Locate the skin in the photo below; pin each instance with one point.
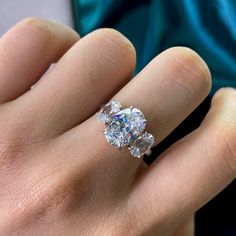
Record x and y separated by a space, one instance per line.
59 176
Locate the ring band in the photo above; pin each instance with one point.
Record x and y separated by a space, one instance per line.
126 128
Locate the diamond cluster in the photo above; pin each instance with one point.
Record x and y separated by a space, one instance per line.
125 128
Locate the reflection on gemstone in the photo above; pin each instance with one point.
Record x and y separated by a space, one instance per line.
125 127
106 113
142 144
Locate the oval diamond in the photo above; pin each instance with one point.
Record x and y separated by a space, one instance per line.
125 127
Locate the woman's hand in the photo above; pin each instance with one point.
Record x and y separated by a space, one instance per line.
59 176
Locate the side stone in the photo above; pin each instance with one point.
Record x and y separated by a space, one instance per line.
141 145
106 112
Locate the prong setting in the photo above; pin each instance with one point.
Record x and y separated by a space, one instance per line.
126 128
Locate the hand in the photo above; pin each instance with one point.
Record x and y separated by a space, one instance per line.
59 176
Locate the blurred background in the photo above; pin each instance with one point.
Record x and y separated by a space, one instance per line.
208 27
13 11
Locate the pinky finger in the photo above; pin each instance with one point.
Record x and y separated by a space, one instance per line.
193 170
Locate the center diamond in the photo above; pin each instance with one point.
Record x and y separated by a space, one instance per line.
125 127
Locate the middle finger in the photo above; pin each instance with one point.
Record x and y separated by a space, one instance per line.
166 91
93 70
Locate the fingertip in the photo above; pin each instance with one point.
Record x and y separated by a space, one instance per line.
223 94
49 29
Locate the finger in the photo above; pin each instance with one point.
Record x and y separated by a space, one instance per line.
168 89
27 50
85 77
195 169
166 97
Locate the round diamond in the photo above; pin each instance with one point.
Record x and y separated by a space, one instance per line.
125 127
106 113
142 144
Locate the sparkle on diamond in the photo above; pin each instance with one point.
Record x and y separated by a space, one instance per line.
125 127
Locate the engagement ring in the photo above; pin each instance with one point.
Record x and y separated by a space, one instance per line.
126 128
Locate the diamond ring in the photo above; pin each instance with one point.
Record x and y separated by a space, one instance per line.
126 128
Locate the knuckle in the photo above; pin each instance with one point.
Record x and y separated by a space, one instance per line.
44 197
62 192
191 69
55 197
46 200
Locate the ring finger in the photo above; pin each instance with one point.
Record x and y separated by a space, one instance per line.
166 91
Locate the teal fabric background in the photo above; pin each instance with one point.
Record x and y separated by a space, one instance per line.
208 27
